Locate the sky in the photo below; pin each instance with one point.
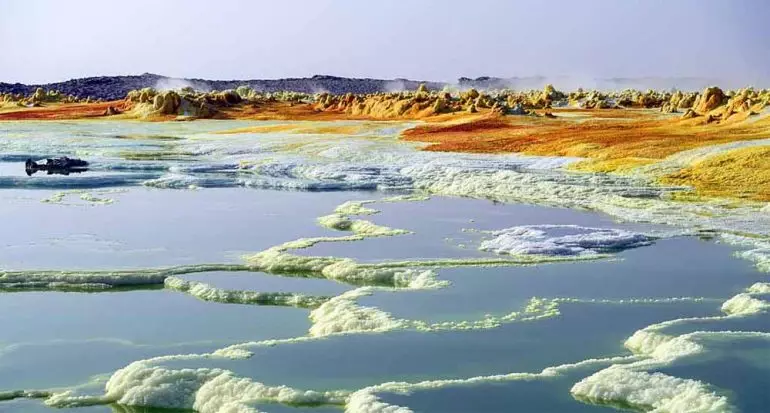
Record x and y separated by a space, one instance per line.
50 40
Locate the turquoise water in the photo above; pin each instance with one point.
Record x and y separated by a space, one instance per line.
161 278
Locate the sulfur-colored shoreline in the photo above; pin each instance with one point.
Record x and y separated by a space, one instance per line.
622 145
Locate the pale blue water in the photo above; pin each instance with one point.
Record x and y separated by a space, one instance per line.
151 227
55 340
542 396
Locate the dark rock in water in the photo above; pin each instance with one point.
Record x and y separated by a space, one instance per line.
59 166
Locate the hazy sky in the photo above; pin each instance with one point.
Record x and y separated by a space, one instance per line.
52 40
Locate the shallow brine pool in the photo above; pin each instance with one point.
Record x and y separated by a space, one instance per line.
191 269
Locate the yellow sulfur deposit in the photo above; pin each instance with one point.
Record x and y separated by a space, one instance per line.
619 165
742 173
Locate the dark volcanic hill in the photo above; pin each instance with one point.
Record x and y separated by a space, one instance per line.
116 87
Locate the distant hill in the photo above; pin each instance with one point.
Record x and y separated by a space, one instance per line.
116 87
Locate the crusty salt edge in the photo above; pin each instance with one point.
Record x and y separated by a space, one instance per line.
350 208
204 390
91 279
277 260
758 249
653 392
359 227
138 383
88 196
344 163
207 292
342 315
214 390
631 385
616 196
759 288
23 394
737 306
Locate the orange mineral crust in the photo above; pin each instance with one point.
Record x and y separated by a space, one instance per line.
640 137
63 111
620 143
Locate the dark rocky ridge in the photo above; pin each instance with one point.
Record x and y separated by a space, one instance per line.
116 87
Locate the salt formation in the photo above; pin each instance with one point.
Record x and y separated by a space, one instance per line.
632 385
207 292
366 401
755 249
204 390
274 260
355 208
424 103
85 280
360 227
561 240
399 274
342 314
653 392
146 383
759 288
88 197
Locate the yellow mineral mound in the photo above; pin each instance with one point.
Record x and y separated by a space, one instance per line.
574 98
423 103
166 103
746 101
224 98
145 95
734 106
545 98
683 100
469 95
412 105
549 91
689 114
148 103
668 108
675 99
710 99
39 95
